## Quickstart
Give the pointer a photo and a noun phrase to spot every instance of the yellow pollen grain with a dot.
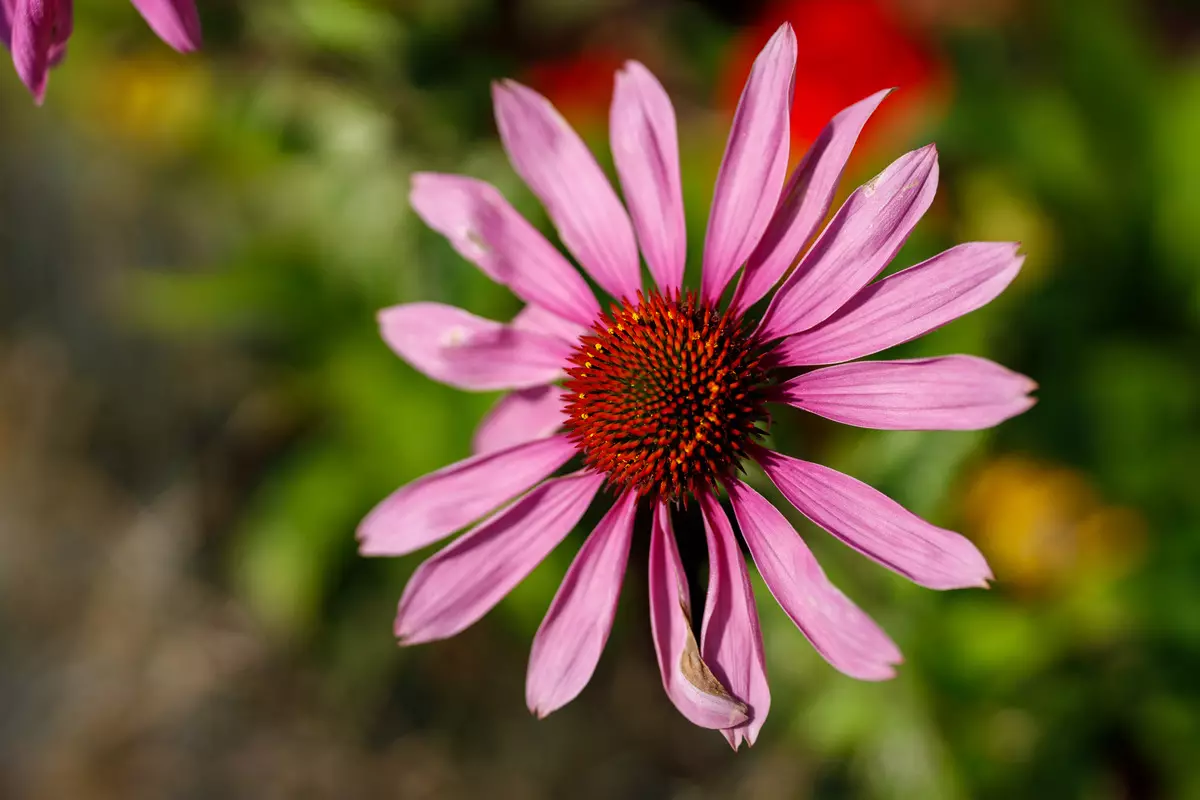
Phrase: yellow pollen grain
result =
(599, 348)
(583, 415)
(587, 365)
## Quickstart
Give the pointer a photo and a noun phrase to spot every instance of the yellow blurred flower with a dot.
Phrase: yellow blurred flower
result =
(1044, 526)
(156, 101)
(995, 209)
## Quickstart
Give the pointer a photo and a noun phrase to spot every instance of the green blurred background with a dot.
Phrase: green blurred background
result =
(196, 410)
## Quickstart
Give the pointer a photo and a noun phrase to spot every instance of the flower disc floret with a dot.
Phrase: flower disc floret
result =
(665, 394)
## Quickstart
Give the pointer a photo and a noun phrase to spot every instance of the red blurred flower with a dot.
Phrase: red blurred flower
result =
(581, 86)
(848, 49)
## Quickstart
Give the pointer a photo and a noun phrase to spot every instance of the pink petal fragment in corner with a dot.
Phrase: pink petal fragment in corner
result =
(861, 239)
(571, 638)
(805, 202)
(468, 352)
(688, 681)
(440, 503)
(951, 393)
(754, 167)
(175, 21)
(906, 305)
(839, 630)
(6, 12)
(466, 579)
(519, 417)
(731, 641)
(38, 38)
(488, 232)
(875, 525)
(645, 149)
(563, 173)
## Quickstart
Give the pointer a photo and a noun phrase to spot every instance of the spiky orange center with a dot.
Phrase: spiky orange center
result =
(664, 395)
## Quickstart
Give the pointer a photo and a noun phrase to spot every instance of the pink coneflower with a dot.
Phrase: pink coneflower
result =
(36, 31)
(665, 395)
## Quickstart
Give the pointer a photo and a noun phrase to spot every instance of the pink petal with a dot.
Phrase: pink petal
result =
(875, 525)
(175, 21)
(464, 580)
(645, 150)
(520, 417)
(572, 636)
(688, 681)
(6, 14)
(440, 503)
(863, 236)
(755, 164)
(731, 640)
(562, 172)
(39, 33)
(805, 202)
(839, 630)
(489, 232)
(952, 393)
(539, 320)
(458, 348)
(908, 304)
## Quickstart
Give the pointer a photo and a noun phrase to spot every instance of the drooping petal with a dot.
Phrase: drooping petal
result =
(906, 305)
(645, 148)
(487, 231)
(754, 167)
(805, 202)
(440, 503)
(468, 352)
(562, 172)
(875, 525)
(861, 239)
(688, 681)
(730, 640)
(572, 636)
(839, 630)
(38, 37)
(464, 580)
(952, 393)
(175, 21)
(521, 416)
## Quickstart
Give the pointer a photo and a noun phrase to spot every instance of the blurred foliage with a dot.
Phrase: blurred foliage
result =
(272, 171)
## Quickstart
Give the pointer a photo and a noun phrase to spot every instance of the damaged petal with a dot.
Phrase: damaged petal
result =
(697, 672)
(687, 679)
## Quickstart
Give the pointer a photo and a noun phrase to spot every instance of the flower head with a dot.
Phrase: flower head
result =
(661, 399)
(36, 31)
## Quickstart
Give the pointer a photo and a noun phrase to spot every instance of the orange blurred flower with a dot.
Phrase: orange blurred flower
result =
(1044, 526)
(848, 50)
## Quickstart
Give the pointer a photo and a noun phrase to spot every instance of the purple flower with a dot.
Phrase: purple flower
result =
(36, 31)
(663, 397)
